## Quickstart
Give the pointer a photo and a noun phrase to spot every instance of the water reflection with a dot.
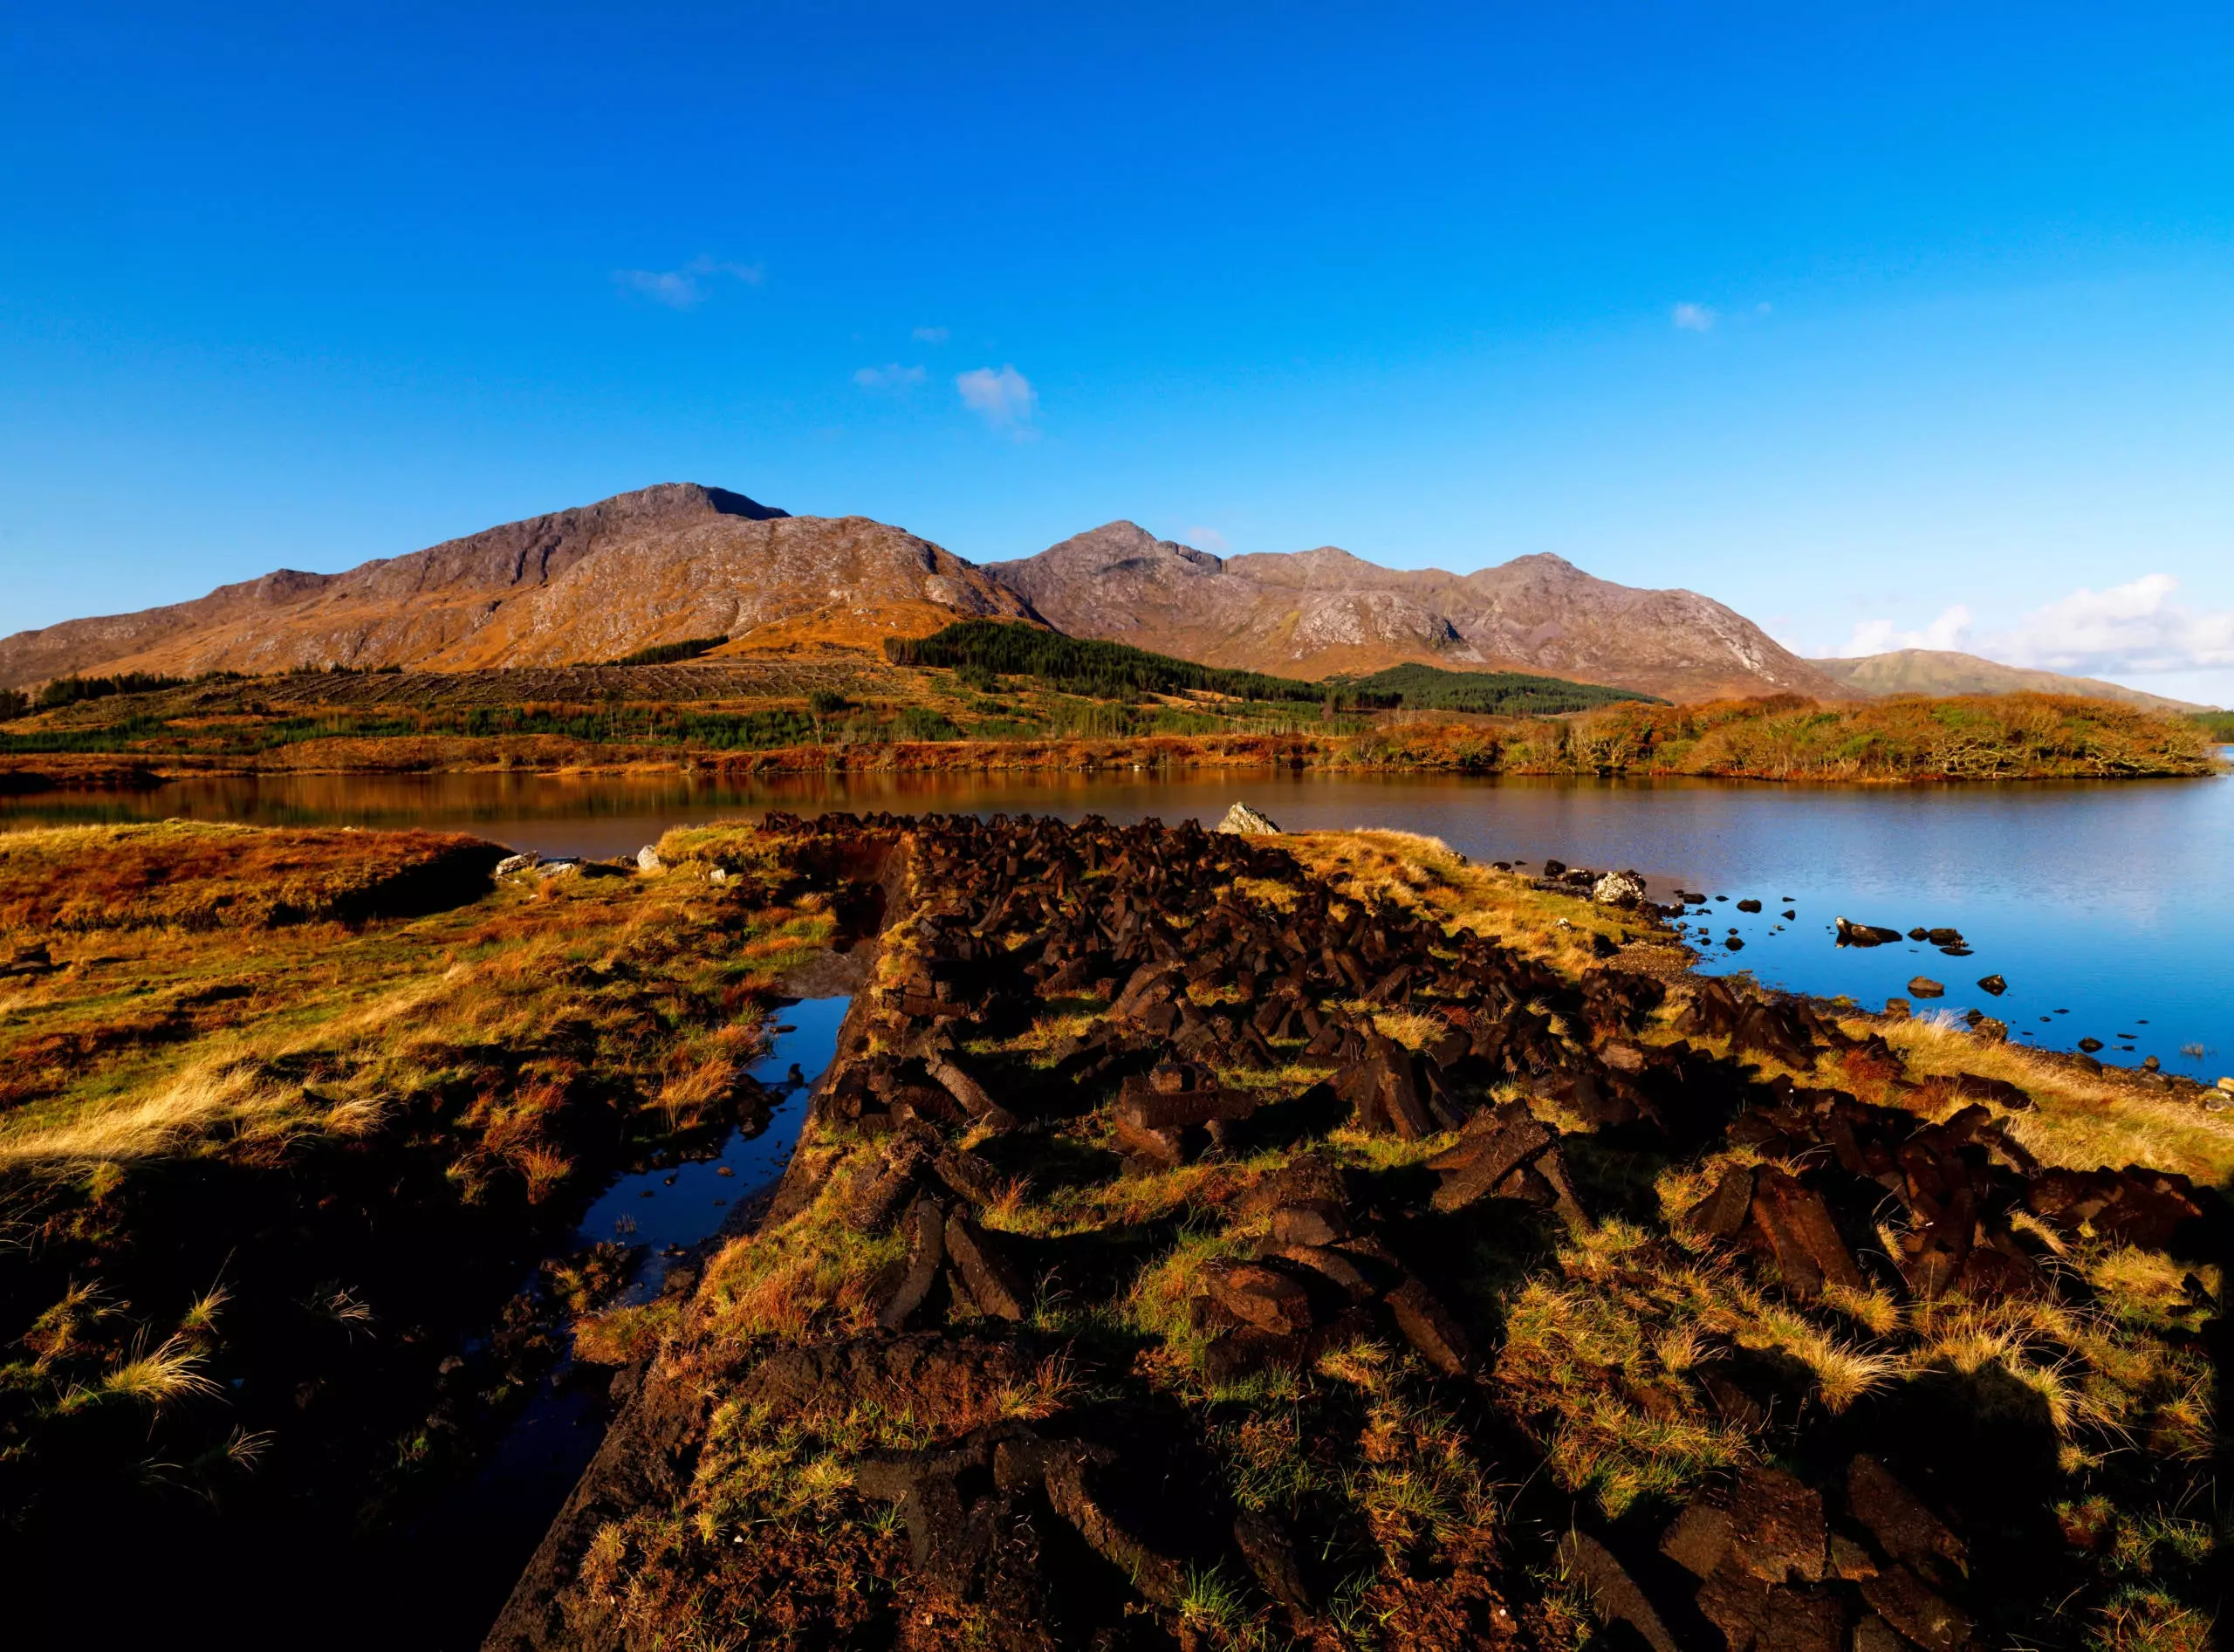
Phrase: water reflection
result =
(2108, 900)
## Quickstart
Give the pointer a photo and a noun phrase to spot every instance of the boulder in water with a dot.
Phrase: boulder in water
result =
(1923, 986)
(1618, 889)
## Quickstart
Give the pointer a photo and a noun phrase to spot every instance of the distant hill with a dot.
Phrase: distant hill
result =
(1315, 614)
(659, 565)
(1939, 671)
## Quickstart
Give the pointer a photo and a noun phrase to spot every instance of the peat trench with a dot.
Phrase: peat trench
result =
(1920, 1516)
(453, 1329)
(463, 1550)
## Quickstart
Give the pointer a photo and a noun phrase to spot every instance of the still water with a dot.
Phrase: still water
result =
(465, 1552)
(2106, 905)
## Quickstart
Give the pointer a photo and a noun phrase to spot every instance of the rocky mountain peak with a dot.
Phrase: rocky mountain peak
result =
(594, 582)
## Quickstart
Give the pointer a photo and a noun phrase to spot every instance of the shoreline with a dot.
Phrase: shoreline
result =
(22, 772)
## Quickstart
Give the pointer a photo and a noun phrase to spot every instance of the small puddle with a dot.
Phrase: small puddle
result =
(482, 1534)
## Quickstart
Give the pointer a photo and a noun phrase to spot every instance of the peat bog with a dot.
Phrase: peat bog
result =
(1198, 1239)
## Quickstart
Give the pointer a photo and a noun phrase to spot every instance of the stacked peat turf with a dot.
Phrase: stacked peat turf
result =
(1218, 1003)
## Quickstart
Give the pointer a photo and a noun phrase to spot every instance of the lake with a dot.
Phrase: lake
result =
(2106, 905)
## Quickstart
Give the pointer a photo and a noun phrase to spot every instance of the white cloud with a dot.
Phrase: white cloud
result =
(689, 287)
(2132, 629)
(1005, 398)
(1204, 538)
(1947, 633)
(932, 335)
(1692, 317)
(891, 376)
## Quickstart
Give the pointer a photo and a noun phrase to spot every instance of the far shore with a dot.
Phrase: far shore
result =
(117, 744)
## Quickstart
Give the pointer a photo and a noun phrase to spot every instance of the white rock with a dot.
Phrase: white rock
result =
(648, 859)
(1618, 889)
(1241, 818)
(718, 876)
(560, 868)
(512, 863)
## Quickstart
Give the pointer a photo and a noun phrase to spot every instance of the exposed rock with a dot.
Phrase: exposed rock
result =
(1243, 819)
(1618, 889)
(1923, 986)
(648, 859)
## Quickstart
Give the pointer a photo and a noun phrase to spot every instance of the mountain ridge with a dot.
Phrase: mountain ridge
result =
(1327, 610)
(679, 560)
(591, 582)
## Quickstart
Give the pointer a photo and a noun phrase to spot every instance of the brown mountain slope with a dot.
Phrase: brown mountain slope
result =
(1941, 671)
(1313, 613)
(656, 565)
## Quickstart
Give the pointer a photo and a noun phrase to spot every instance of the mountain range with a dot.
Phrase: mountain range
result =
(683, 561)
(1313, 613)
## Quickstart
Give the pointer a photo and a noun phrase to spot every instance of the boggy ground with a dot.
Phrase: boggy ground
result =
(1321, 1241)
(286, 1119)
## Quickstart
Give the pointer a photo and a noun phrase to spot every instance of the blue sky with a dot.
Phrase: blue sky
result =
(1883, 325)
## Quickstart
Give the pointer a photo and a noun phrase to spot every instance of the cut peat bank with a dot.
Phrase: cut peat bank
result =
(1199, 1239)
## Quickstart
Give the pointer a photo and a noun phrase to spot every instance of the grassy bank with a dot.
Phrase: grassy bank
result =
(286, 1117)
